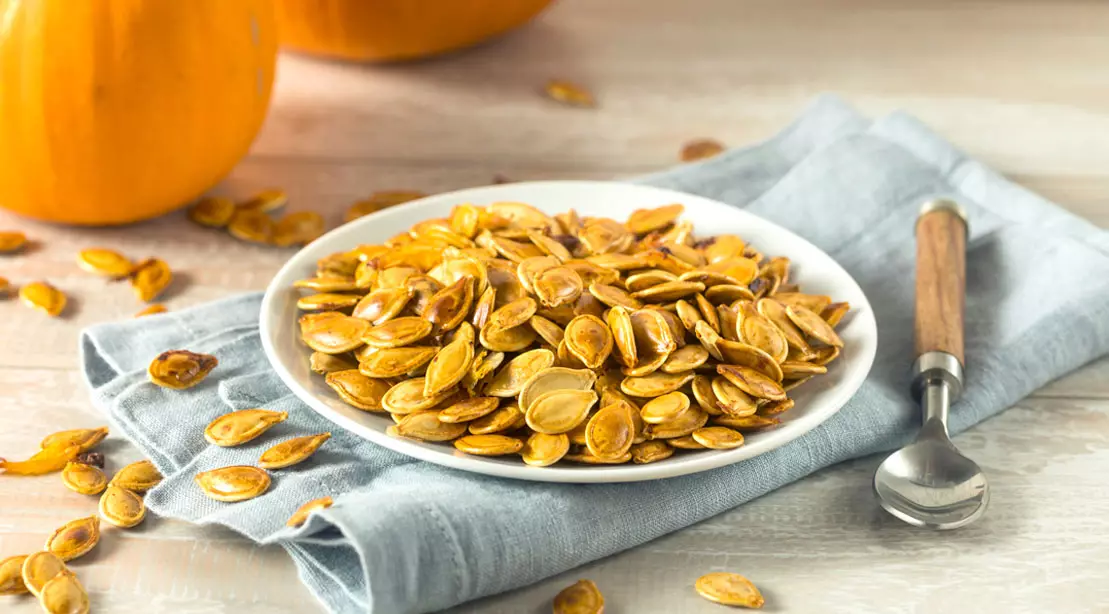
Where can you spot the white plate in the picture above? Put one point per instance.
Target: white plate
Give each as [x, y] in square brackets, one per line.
[813, 269]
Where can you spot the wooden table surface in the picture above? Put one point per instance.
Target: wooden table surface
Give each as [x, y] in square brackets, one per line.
[1020, 84]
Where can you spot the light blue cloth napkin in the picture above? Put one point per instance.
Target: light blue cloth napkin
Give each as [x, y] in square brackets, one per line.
[408, 536]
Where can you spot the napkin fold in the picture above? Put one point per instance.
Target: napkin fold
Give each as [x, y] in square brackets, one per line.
[407, 536]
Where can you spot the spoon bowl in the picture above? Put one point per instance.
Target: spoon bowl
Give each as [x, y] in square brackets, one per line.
[930, 483]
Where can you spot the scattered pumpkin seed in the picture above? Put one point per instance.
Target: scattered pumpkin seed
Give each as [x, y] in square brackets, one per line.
[238, 427]
[181, 369]
[581, 597]
[64, 594]
[150, 310]
[44, 297]
[39, 568]
[11, 576]
[11, 241]
[700, 149]
[292, 451]
[84, 479]
[106, 262]
[729, 589]
[74, 538]
[122, 507]
[235, 483]
[300, 516]
[212, 211]
[139, 476]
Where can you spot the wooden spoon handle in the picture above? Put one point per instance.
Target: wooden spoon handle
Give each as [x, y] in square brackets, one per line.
[941, 234]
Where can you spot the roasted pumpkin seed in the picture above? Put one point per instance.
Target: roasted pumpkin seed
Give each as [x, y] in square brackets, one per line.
[700, 149]
[752, 382]
[426, 426]
[650, 452]
[665, 408]
[84, 479]
[559, 411]
[552, 379]
[181, 369]
[39, 568]
[232, 484]
[469, 409]
[450, 365]
[685, 442]
[238, 427]
[75, 538]
[589, 339]
[685, 359]
[266, 201]
[337, 335]
[510, 380]
[106, 262]
[729, 589]
[569, 93]
[292, 451]
[610, 431]
[582, 597]
[380, 200]
[64, 594]
[655, 384]
[543, 449]
[505, 418]
[212, 211]
[43, 297]
[449, 306]
[684, 424]
[585, 457]
[397, 332]
[746, 423]
[84, 439]
[300, 228]
[731, 399]
[11, 241]
[358, 390]
[813, 325]
[834, 312]
[488, 445]
[121, 507]
[11, 578]
[300, 516]
[386, 363]
[718, 437]
[139, 476]
[757, 330]
[150, 310]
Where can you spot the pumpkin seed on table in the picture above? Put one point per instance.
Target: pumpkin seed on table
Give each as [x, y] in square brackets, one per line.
[233, 484]
[300, 516]
[700, 149]
[238, 427]
[64, 594]
[581, 597]
[729, 589]
[11, 576]
[39, 568]
[251, 226]
[11, 241]
[300, 228]
[106, 262]
[84, 479]
[122, 507]
[139, 476]
[151, 310]
[42, 296]
[150, 278]
[266, 201]
[75, 538]
[84, 439]
[292, 451]
[212, 211]
[181, 369]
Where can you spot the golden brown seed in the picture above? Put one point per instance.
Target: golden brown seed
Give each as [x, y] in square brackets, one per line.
[450, 365]
[121, 507]
[813, 325]
[650, 452]
[569, 93]
[718, 437]
[139, 476]
[736, 353]
[104, 262]
[327, 301]
[84, 479]
[425, 426]
[560, 411]
[11, 578]
[834, 313]
[251, 226]
[775, 407]
[582, 597]
[730, 399]
[813, 302]
[84, 439]
[825, 355]
[235, 483]
[609, 433]
[358, 390]
[665, 408]
[704, 395]
[397, 332]
[586, 458]
[793, 369]
[64, 594]
[549, 331]
[685, 442]
[669, 291]
[505, 418]
[510, 380]
[746, 423]
[212, 211]
[395, 362]
[150, 310]
[39, 568]
[336, 335]
[238, 427]
[685, 359]
[4, 286]
[684, 424]
[449, 306]
[558, 286]
[552, 379]
[752, 382]
[408, 397]
[43, 297]
[469, 409]
[488, 445]
[298, 228]
[266, 201]
[755, 329]
[74, 538]
[613, 296]
[380, 200]
[776, 313]
[181, 369]
[700, 149]
[655, 384]
[729, 589]
[292, 451]
[327, 284]
[300, 516]
[150, 278]
[11, 241]
[543, 449]
[589, 339]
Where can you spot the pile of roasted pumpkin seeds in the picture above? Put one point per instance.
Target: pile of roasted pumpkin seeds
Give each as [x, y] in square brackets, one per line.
[504, 330]
[44, 574]
[250, 220]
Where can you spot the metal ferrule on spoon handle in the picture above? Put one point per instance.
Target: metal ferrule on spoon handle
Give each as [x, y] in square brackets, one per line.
[941, 233]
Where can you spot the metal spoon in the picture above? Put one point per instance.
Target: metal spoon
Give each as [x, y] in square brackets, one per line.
[930, 483]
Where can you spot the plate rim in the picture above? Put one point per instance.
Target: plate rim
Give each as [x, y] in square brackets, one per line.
[770, 440]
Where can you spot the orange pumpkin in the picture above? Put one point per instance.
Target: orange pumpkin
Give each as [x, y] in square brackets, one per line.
[381, 30]
[113, 111]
